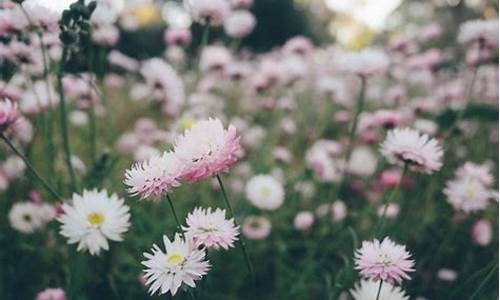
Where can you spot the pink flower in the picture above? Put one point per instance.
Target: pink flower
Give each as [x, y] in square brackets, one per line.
[303, 220]
[386, 118]
[384, 260]
[239, 24]
[212, 12]
[482, 232]
[421, 153]
[51, 294]
[206, 149]
[256, 228]
[390, 178]
[177, 36]
[215, 58]
[154, 177]
[210, 228]
[240, 4]
[476, 171]
[298, 45]
[8, 113]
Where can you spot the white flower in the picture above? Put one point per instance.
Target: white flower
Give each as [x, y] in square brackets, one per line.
[362, 162]
[422, 153]
[181, 263]
[367, 290]
[27, 217]
[93, 219]
[210, 228]
[476, 29]
[365, 62]
[239, 23]
[265, 192]
[468, 194]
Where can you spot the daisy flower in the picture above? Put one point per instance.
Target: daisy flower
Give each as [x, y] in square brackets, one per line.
[181, 263]
[94, 218]
[467, 194]
[367, 289]
[206, 149]
[477, 171]
[210, 228]
[154, 176]
[256, 228]
[265, 192]
[366, 62]
[384, 260]
[421, 153]
[475, 30]
[27, 217]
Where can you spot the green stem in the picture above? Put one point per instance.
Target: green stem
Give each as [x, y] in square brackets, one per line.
[485, 280]
[172, 208]
[31, 168]
[241, 242]
[379, 289]
[379, 227]
[64, 118]
[352, 133]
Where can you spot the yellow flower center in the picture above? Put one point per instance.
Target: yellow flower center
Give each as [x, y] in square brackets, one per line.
[384, 259]
[187, 123]
[470, 193]
[95, 219]
[265, 191]
[175, 259]
[146, 14]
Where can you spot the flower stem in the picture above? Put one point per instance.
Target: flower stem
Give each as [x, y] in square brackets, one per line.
[64, 118]
[379, 289]
[352, 133]
[379, 227]
[485, 280]
[31, 168]
[172, 208]
[241, 242]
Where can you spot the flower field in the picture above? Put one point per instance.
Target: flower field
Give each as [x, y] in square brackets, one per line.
[150, 151]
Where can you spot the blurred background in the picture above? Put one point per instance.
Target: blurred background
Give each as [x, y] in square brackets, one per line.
[352, 23]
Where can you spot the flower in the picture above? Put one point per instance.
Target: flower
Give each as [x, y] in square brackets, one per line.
[475, 30]
[303, 220]
[179, 264]
[215, 58]
[367, 290]
[212, 12]
[51, 294]
[256, 228]
[27, 217]
[476, 171]
[384, 260]
[265, 192]
[446, 275]
[8, 113]
[366, 62]
[206, 149]
[154, 176]
[210, 228]
[467, 194]
[421, 153]
[239, 24]
[93, 218]
[482, 232]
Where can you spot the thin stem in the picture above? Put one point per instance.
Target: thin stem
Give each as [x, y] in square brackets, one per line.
[191, 294]
[352, 134]
[64, 118]
[379, 289]
[241, 242]
[483, 283]
[204, 38]
[379, 227]
[31, 168]
[172, 208]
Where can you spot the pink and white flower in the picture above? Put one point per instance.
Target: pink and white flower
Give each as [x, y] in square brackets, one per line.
[384, 260]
